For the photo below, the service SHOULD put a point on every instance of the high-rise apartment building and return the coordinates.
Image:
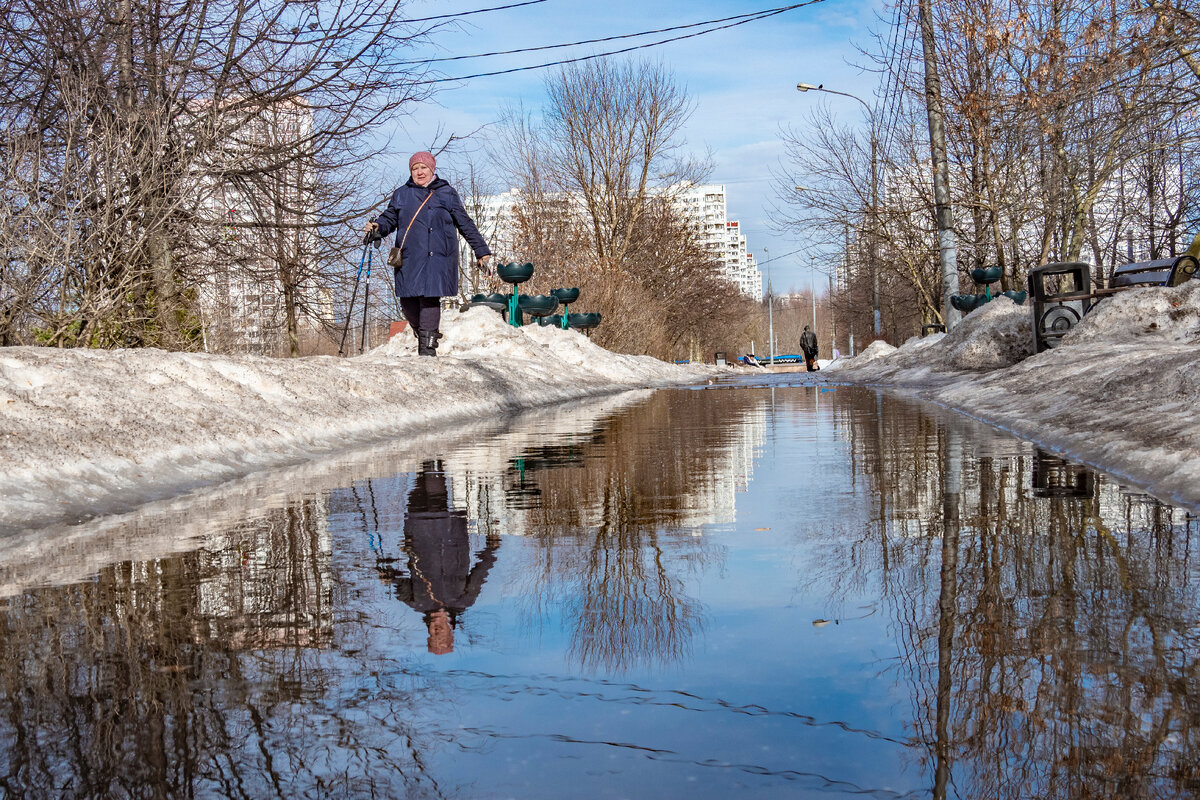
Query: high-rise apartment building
(702, 205)
(255, 196)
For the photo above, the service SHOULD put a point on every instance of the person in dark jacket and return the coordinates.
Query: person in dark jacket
(427, 215)
(440, 581)
(808, 344)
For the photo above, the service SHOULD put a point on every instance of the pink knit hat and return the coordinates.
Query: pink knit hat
(423, 157)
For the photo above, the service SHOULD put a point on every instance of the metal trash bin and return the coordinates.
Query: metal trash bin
(1062, 294)
(1054, 476)
(719, 358)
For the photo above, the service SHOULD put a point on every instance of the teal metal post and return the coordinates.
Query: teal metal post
(514, 309)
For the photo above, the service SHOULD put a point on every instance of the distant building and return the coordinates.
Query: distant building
(260, 174)
(740, 266)
(702, 205)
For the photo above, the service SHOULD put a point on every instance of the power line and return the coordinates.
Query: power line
(769, 11)
(756, 16)
(469, 13)
(785, 255)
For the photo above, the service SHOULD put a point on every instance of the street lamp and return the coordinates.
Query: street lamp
(874, 201)
(812, 279)
(770, 308)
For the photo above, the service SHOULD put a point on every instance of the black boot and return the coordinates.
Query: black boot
(427, 342)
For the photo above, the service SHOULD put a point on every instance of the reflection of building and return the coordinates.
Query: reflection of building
(701, 206)
(511, 486)
(269, 583)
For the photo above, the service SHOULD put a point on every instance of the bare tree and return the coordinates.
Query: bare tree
(598, 177)
(124, 121)
(1065, 136)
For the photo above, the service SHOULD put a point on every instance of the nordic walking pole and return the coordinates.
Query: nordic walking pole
(353, 296)
(362, 348)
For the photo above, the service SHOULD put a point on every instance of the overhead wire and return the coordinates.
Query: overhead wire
(755, 14)
(785, 255)
(740, 20)
(469, 13)
(900, 53)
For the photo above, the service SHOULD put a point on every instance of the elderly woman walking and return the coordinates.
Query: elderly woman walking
(427, 215)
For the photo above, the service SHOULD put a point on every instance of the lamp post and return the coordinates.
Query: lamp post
(873, 202)
(770, 309)
(812, 280)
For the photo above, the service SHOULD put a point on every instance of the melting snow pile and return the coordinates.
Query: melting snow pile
(85, 430)
(998, 335)
(1119, 391)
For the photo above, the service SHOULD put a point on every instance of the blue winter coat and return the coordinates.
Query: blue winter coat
(431, 247)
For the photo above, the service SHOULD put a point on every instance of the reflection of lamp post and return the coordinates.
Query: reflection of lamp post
(874, 201)
(770, 308)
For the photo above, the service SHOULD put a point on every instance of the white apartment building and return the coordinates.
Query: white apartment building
(740, 266)
(703, 205)
(240, 298)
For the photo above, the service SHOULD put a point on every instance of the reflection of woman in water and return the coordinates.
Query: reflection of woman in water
(441, 583)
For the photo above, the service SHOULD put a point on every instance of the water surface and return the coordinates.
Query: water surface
(752, 589)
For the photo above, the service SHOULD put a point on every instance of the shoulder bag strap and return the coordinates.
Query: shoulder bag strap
(404, 238)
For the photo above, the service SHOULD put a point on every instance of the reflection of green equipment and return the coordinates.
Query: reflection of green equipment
(566, 297)
(515, 273)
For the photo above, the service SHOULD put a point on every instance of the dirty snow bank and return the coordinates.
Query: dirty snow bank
(1119, 393)
(87, 432)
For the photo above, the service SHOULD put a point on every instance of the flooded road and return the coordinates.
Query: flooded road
(752, 589)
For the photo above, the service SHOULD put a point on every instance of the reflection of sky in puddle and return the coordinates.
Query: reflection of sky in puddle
(700, 593)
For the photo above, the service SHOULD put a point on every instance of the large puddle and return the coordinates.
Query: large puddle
(752, 591)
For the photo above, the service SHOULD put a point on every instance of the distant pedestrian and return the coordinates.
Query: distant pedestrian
(808, 343)
(427, 215)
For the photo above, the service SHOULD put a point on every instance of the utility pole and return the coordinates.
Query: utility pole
(812, 280)
(941, 170)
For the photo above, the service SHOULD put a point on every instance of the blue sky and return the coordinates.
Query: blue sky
(742, 81)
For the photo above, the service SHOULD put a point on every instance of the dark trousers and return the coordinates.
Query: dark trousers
(422, 313)
(810, 361)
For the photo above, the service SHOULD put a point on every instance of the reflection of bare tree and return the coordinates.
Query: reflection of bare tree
(617, 539)
(213, 673)
(631, 607)
(1050, 640)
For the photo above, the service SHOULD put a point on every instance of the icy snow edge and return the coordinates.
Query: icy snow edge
(1119, 393)
(87, 432)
